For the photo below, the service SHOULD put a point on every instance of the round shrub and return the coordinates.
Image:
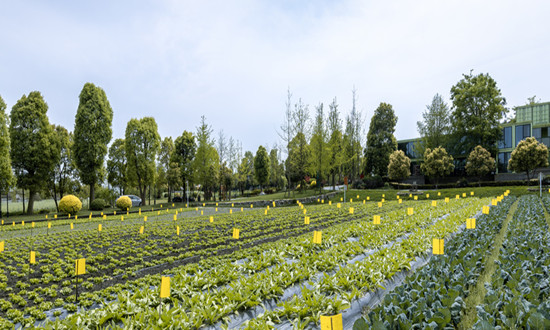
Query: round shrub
(97, 204)
(70, 204)
(124, 202)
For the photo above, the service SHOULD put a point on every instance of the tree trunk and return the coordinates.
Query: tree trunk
(23, 200)
(92, 194)
(31, 202)
(1, 203)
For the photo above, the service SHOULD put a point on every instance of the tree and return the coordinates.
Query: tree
(478, 108)
(262, 167)
(6, 176)
(116, 165)
(435, 127)
(142, 142)
(528, 155)
(480, 163)
(352, 141)
(437, 164)
(206, 163)
(380, 140)
(184, 154)
(276, 174)
(335, 141)
(34, 152)
(298, 159)
(64, 170)
(92, 134)
(287, 132)
(165, 154)
(399, 166)
(319, 148)
(221, 148)
(243, 173)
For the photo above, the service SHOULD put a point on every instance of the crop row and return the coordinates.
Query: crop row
(214, 288)
(434, 296)
(519, 293)
(118, 249)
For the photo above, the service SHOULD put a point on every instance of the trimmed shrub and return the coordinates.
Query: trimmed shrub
(97, 204)
(70, 204)
(124, 202)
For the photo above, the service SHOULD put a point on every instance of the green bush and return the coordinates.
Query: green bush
(97, 204)
(70, 204)
(124, 202)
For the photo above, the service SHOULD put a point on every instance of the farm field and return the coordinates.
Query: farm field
(271, 274)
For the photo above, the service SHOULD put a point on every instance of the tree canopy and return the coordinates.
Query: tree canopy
(399, 166)
(6, 176)
(142, 143)
(34, 152)
(478, 108)
(437, 163)
(479, 163)
(528, 155)
(380, 140)
(116, 165)
(262, 166)
(92, 134)
(435, 126)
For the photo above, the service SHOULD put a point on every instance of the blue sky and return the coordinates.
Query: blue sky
(232, 61)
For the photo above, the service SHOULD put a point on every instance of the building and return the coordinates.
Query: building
(530, 120)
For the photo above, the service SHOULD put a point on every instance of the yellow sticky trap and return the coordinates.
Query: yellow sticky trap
(232, 204)
(72, 226)
(251, 206)
(446, 199)
(216, 204)
(23, 223)
(90, 216)
(141, 229)
(178, 230)
(457, 196)
(104, 217)
(140, 211)
(494, 202)
(338, 205)
(216, 209)
(236, 233)
(268, 207)
(69, 216)
(383, 195)
(332, 322)
(329, 202)
(13, 224)
(341, 199)
(80, 266)
(196, 208)
(415, 197)
(379, 204)
(438, 193)
(46, 218)
(383, 200)
(410, 195)
(351, 200)
(158, 212)
(305, 211)
(202, 213)
(364, 201)
(55, 216)
(427, 195)
(114, 213)
(165, 287)
(273, 204)
(121, 218)
(306, 220)
(1, 246)
(357, 196)
(318, 200)
(99, 227)
(145, 218)
(400, 201)
(485, 209)
(471, 193)
(438, 246)
(317, 236)
(230, 211)
(471, 223)
(32, 224)
(211, 219)
(434, 203)
(376, 220)
(322, 201)
(265, 212)
(49, 225)
(410, 211)
(368, 198)
(242, 209)
(175, 217)
(172, 204)
(2, 221)
(101, 213)
(351, 210)
(32, 258)
(76, 217)
(463, 194)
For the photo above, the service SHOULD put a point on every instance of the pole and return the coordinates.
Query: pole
(540, 184)
(187, 191)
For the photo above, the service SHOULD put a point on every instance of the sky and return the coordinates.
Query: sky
(234, 61)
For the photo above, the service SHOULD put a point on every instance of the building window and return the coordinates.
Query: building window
(503, 159)
(541, 134)
(522, 132)
(506, 141)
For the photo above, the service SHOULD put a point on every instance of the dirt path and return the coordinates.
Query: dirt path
(477, 294)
